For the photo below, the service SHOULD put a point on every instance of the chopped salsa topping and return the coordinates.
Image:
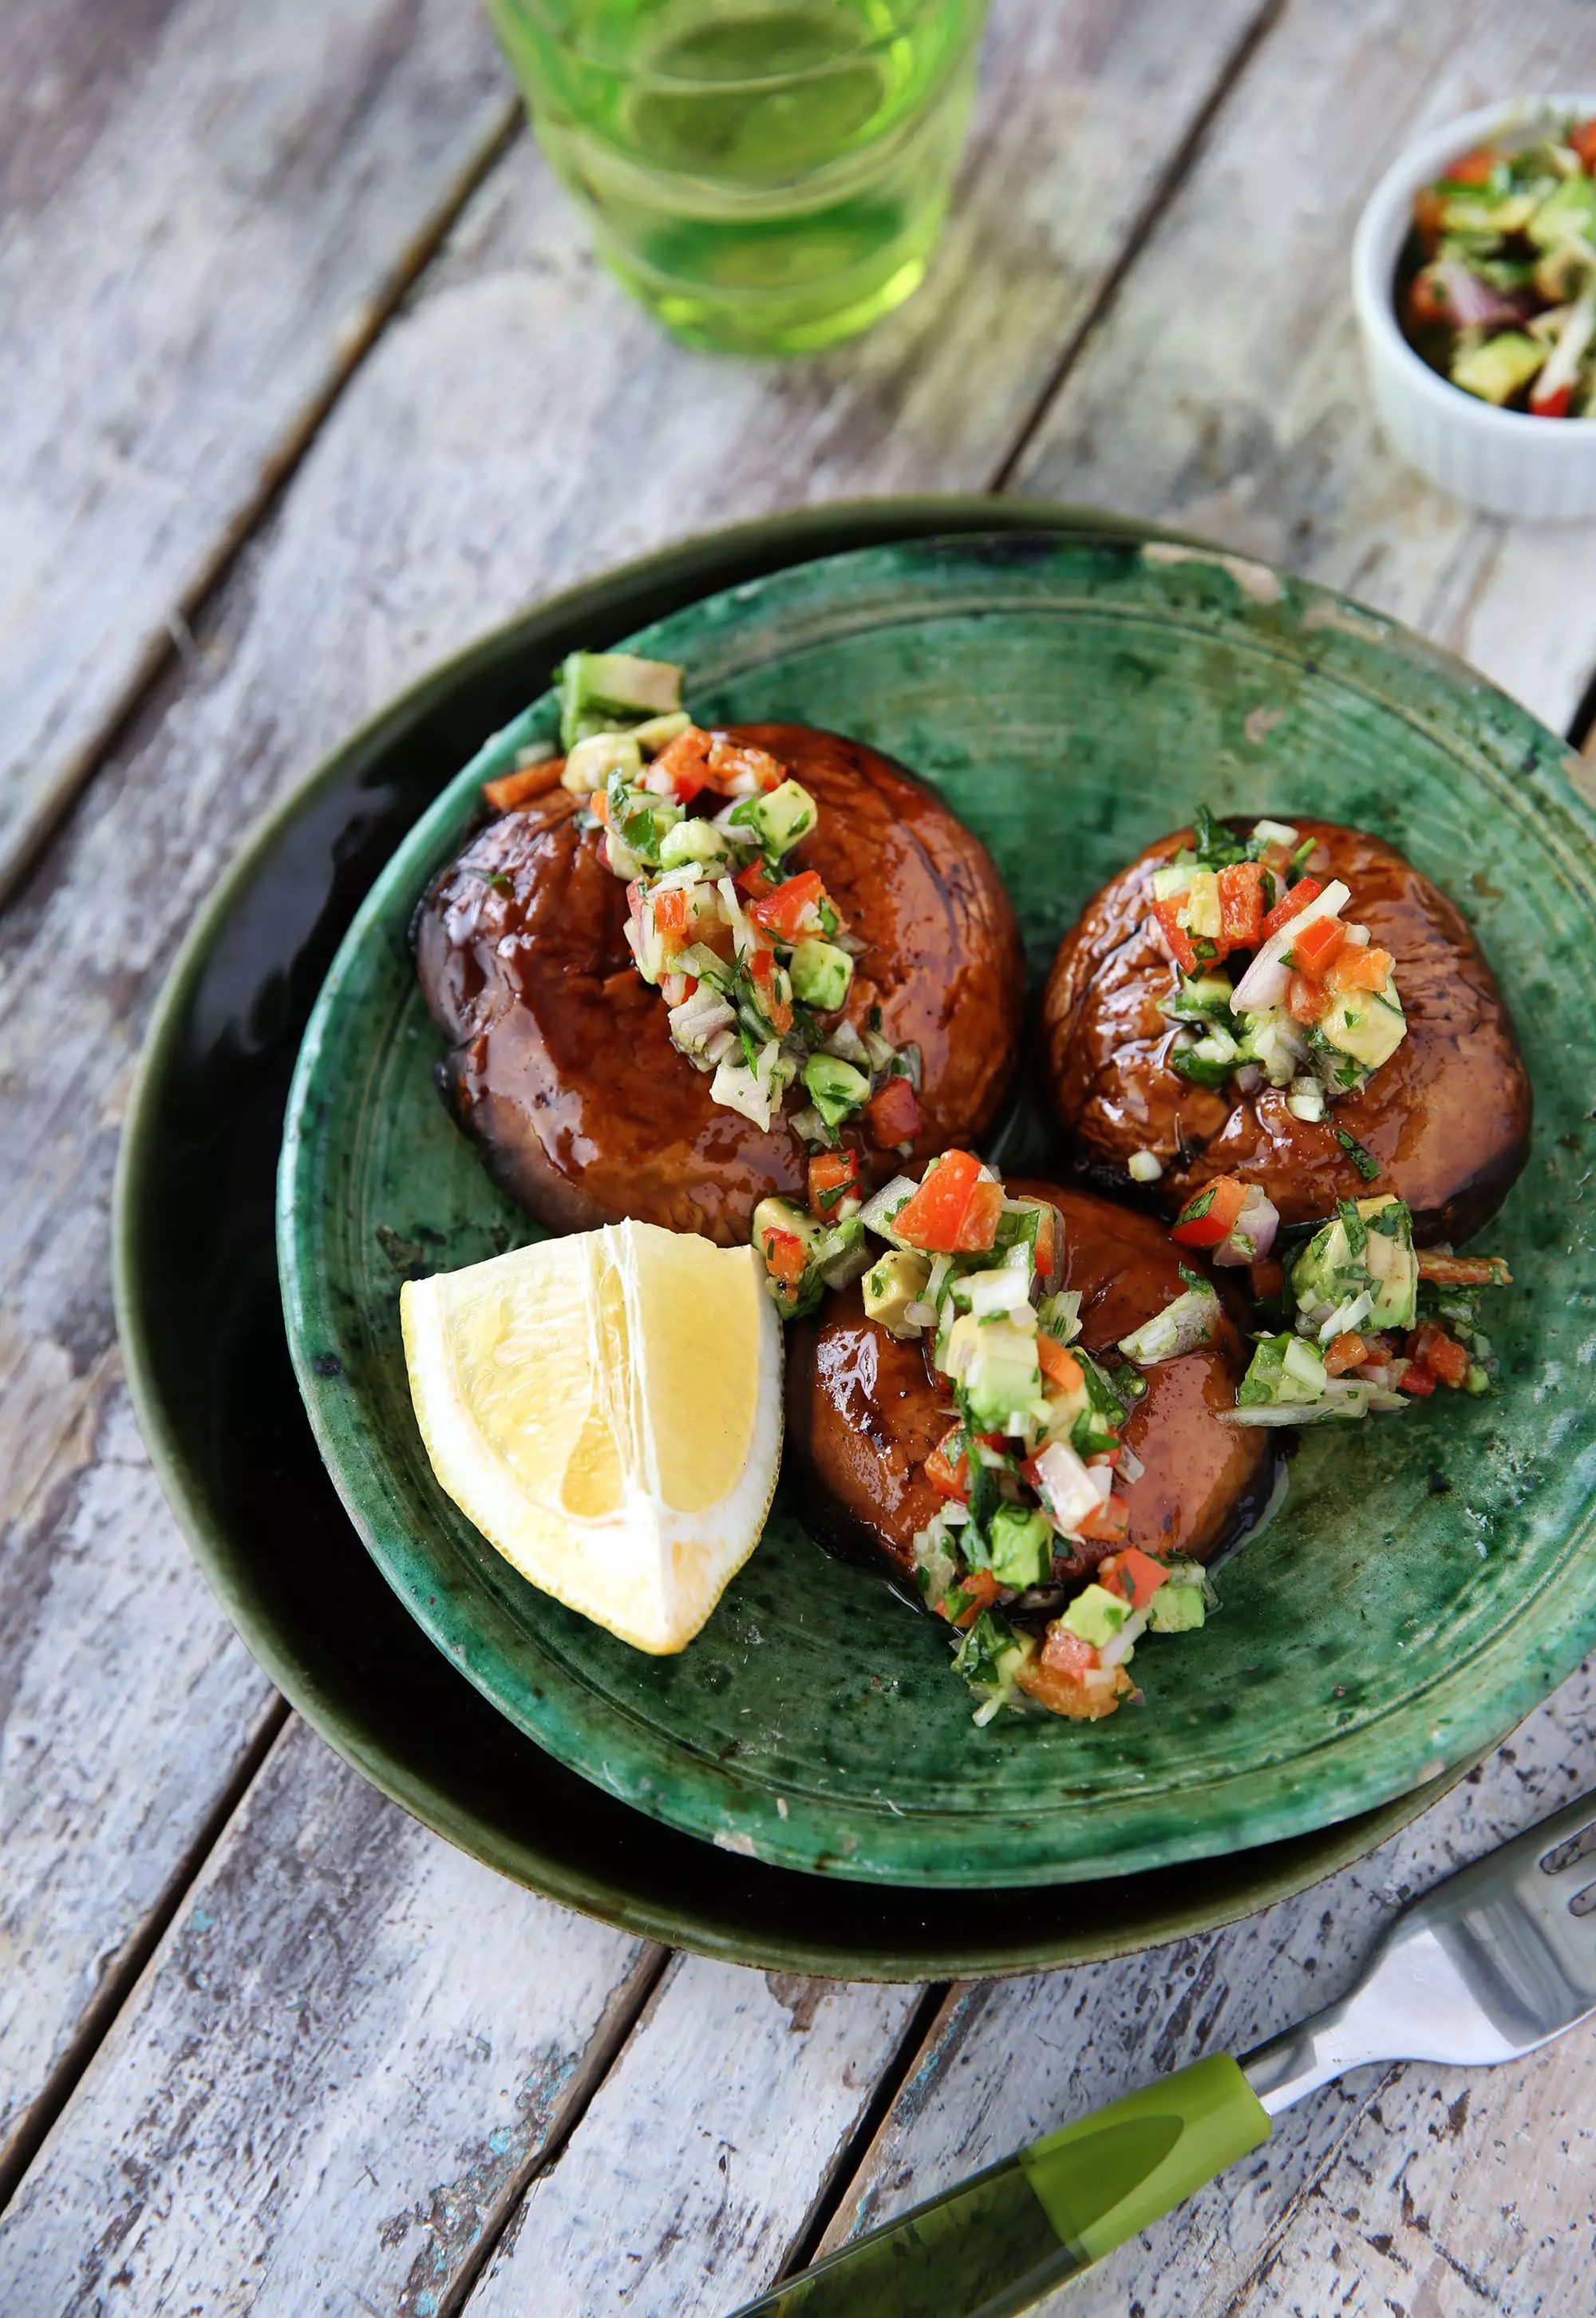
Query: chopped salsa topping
(1496, 288)
(1026, 1557)
(1369, 1322)
(1272, 985)
(750, 955)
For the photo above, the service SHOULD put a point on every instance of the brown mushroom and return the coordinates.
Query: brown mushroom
(561, 1060)
(1445, 1121)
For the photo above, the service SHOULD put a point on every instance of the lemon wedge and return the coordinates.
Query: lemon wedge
(607, 1409)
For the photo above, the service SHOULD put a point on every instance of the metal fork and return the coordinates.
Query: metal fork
(1488, 1966)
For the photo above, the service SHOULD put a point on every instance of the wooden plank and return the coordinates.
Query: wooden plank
(1011, 2059)
(350, 2049)
(691, 2175)
(500, 399)
(207, 210)
(1224, 389)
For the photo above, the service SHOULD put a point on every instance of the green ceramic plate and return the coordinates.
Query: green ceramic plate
(1424, 1586)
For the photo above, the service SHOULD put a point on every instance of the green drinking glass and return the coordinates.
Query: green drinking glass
(767, 177)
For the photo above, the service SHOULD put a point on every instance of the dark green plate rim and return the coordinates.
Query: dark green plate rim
(457, 1766)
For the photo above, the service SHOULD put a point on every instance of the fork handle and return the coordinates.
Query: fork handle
(1002, 2240)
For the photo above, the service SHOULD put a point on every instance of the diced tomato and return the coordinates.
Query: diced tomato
(1464, 1270)
(1210, 1217)
(1441, 1355)
(783, 1255)
(1308, 1000)
(1058, 1364)
(1306, 889)
(1474, 168)
(599, 806)
(519, 788)
(1416, 1378)
(949, 1474)
(1046, 1251)
(670, 919)
(1347, 1350)
(777, 1011)
(833, 1177)
(955, 1211)
(756, 881)
(1361, 969)
(1134, 1575)
(894, 1113)
(1429, 208)
(1317, 944)
(784, 911)
(681, 769)
(1067, 1653)
(1177, 937)
(1583, 142)
(1240, 905)
(1109, 1524)
(1428, 303)
(734, 767)
(980, 1590)
(1551, 406)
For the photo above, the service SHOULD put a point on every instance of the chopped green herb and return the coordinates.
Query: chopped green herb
(1366, 1167)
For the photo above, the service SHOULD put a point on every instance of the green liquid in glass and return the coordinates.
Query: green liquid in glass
(767, 176)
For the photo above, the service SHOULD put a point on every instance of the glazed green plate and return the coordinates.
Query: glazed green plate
(1426, 1581)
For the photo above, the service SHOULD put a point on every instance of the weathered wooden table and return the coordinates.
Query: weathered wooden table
(273, 280)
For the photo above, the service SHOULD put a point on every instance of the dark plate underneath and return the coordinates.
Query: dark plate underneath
(202, 1327)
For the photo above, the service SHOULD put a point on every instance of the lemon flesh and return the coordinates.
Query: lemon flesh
(607, 1409)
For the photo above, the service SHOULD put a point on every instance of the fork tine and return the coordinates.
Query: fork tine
(1574, 1848)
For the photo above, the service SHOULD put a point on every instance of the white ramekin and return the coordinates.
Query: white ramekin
(1503, 460)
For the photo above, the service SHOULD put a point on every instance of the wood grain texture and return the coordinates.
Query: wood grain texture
(1223, 390)
(505, 399)
(349, 2050)
(1010, 2060)
(693, 2171)
(207, 209)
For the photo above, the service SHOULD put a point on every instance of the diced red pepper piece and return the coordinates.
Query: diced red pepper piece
(1347, 1350)
(519, 788)
(1058, 1363)
(784, 911)
(1551, 406)
(894, 1113)
(1361, 969)
(670, 920)
(1306, 889)
(681, 769)
(1441, 1355)
(1240, 905)
(756, 881)
(1067, 1653)
(955, 1211)
(1464, 1270)
(784, 1254)
(738, 763)
(1474, 168)
(1208, 1218)
(947, 1468)
(599, 806)
(1428, 303)
(973, 1594)
(1046, 1241)
(1134, 1575)
(1109, 1524)
(1174, 934)
(1317, 944)
(833, 1177)
(1416, 1378)
(1583, 142)
(1308, 999)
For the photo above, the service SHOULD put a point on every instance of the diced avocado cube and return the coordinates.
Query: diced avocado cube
(1199, 994)
(794, 1298)
(1176, 1610)
(1496, 369)
(1171, 879)
(1097, 1615)
(1002, 1377)
(1021, 1546)
(1201, 911)
(1474, 210)
(990, 1657)
(1568, 214)
(821, 974)
(835, 1087)
(780, 817)
(1330, 1268)
(693, 841)
(1392, 1266)
(658, 733)
(1365, 1024)
(893, 1283)
(773, 1215)
(599, 690)
(588, 766)
(1285, 1370)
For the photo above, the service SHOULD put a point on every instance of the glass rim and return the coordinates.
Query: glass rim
(969, 14)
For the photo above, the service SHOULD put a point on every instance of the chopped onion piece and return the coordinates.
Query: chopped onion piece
(1181, 1327)
(1131, 1468)
(880, 1208)
(1068, 1492)
(1119, 1646)
(1266, 980)
(1146, 1167)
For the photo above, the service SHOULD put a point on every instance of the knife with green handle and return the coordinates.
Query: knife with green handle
(1490, 1965)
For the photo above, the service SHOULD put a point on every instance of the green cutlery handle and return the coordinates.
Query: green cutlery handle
(1004, 2237)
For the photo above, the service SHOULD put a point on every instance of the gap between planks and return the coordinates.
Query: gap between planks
(176, 643)
(100, 2015)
